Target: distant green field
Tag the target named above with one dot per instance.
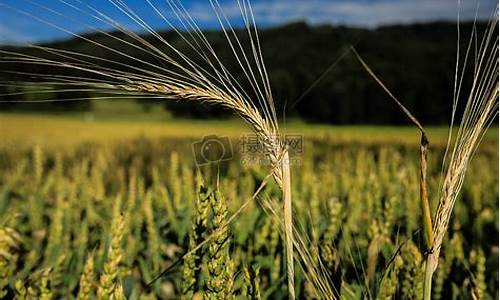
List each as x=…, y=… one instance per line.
x=72, y=129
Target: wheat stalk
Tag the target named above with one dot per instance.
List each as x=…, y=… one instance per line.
x=424, y=146
x=314, y=271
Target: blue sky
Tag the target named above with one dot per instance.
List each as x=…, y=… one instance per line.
x=24, y=21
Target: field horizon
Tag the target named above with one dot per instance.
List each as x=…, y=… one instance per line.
x=70, y=129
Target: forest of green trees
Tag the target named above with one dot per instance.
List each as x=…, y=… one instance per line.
x=417, y=62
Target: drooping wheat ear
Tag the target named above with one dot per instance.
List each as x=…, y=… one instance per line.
x=480, y=110
x=265, y=129
x=202, y=78
x=424, y=146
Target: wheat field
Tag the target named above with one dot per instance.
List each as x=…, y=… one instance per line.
x=103, y=219
x=271, y=210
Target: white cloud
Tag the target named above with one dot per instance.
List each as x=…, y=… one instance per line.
x=15, y=29
x=361, y=13
x=10, y=36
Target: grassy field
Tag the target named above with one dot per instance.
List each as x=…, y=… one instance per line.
x=69, y=130
x=95, y=208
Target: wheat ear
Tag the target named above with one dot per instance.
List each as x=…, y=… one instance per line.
x=481, y=109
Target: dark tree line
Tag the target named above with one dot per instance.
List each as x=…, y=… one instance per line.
x=416, y=62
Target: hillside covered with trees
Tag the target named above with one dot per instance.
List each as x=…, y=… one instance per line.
x=417, y=62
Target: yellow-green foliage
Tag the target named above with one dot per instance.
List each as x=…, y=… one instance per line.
x=87, y=283
x=334, y=220
x=63, y=234
x=9, y=244
x=252, y=283
x=220, y=265
x=109, y=280
x=192, y=263
x=413, y=272
x=37, y=288
x=154, y=247
x=389, y=282
x=479, y=281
